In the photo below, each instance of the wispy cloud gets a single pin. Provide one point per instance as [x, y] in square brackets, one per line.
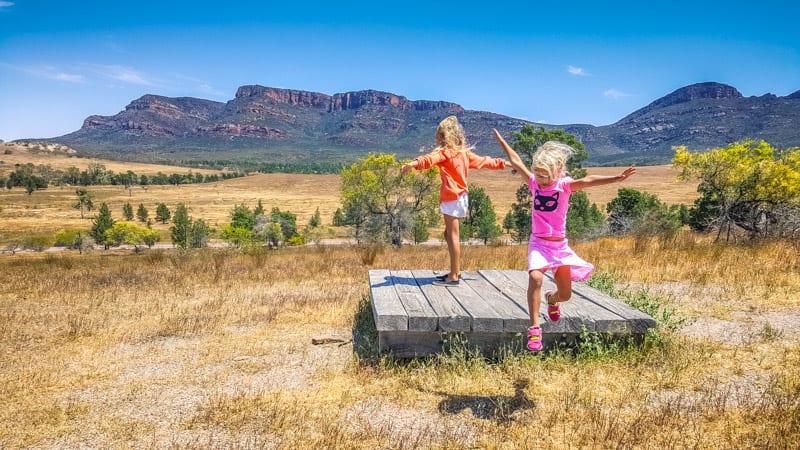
[6, 4]
[577, 71]
[615, 94]
[124, 74]
[69, 77]
[48, 72]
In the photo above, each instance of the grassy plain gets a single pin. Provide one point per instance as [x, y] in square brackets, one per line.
[48, 211]
[212, 348]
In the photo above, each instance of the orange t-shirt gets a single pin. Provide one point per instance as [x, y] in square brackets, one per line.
[454, 167]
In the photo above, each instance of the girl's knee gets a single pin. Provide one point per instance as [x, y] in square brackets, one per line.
[535, 278]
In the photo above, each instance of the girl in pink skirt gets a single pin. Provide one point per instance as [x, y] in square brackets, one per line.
[548, 248]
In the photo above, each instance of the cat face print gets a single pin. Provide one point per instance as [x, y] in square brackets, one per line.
[545, 203]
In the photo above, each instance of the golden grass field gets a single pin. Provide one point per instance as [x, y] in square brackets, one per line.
[212, 348]
[48, 211]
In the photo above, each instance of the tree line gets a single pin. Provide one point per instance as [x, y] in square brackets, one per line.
[32, 177]
[747, 190]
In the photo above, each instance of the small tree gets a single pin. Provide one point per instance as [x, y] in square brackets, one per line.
[642, 214]
[273, 235]
[127, 211]
[583, 219]
[142, 213]
[238, 236]
[101, 223]
[381, 202]
[315, 219]
[259, 210]
[180, 231]
[339, 219]
[162, 213]
[242, 217]
[481, 220]
[746, 186]
[84, 200]
[200, 234]
[130, 234]
[287, 222]
[420, 231]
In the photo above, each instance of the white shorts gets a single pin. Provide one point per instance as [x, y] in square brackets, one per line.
[456, 208]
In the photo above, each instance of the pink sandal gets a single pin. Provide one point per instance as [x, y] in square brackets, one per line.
[534, 339]
[553, 311]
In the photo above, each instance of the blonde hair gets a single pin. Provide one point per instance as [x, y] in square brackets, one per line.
[450, 134]
[552, 156]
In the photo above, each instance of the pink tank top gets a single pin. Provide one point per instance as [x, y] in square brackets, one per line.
[549, 208]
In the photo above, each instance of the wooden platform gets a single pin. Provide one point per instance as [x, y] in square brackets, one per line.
[489, 309]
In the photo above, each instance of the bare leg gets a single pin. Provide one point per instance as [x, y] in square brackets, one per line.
[535, 279]
[563, 278]
[453, 246]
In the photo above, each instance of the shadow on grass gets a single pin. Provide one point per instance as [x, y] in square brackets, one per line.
[494, 407]
[365, 335]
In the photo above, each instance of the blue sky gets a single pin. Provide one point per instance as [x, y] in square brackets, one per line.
[554, 62]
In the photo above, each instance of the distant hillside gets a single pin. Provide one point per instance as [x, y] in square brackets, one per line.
[264, 124]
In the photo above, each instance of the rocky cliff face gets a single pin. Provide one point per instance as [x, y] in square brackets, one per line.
[699, 116]
[153, 115]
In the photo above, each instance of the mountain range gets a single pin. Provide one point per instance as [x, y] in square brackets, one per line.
[264, 124]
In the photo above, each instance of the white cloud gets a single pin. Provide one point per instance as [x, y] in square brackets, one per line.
[124, 74]
[72, 78]
[49, 72]
[578, 71]
[6, 4]
[615, 94]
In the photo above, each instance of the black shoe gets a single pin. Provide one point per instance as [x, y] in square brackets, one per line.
[446, 283]
[443, 276]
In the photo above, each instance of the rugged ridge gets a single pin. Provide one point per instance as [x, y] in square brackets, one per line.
[267, 123]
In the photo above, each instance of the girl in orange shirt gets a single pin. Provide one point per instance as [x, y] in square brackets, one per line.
[454, 159]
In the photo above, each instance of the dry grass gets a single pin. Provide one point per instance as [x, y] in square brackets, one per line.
[213, 349]
[48, 211]
[60, 157]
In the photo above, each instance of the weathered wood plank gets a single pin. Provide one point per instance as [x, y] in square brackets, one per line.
[484, 317]
[387, 308]
[421, 316]
[635, 321]
[507, 287]
[515, 319]
[416, 344]
[410, 344]
[452, 316]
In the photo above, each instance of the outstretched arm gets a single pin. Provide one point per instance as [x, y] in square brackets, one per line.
[513, 157]
[409, 165]
[423, 162]
[599, 180]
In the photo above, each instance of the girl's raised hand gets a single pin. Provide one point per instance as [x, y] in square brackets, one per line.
[628, 172]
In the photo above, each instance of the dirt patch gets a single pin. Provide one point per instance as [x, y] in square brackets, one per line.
[784, 326]
[414, 427]
[161, 383]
